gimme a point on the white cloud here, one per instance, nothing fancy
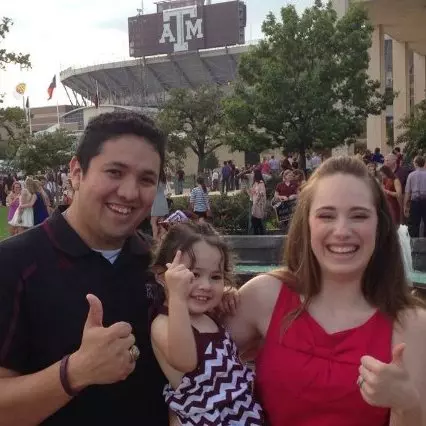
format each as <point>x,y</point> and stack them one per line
<point>63,33</point>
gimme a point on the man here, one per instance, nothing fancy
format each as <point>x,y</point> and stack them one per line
<point>75,294</point>
<point>274,165</point>
<point>415,197</point>
<point>226,175</point>
<point>180,179</point>
<point>401,172</point>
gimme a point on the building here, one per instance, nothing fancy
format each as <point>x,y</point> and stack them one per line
<point>186,44</point>
<point>402,22</point>
<point>44,117</point>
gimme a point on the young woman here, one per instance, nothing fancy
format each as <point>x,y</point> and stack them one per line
<point>258,197</point>
<point>199,200</point>
<point>341,337</point>
<point>393,190</point>
<point>208,384</point>
<point>41,205</point>
<point>23,218</point>
<point>12,202</point>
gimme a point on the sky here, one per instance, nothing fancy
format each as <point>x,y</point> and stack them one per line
<point>75,33</point>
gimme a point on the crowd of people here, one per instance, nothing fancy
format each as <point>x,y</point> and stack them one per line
<point>99,326</point>
<point>32,199</point>
<point>404,185</point>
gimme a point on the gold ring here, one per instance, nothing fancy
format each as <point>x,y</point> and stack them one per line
<point>134,353</point>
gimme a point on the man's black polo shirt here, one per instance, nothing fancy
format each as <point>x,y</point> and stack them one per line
<point>46,274</point>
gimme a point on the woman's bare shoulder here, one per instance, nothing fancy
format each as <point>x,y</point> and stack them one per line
<point>263,289</point>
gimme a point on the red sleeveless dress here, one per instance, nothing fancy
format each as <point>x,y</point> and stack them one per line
<point>307,377</point>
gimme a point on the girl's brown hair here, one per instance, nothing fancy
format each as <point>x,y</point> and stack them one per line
<point>384,283</point>
<point>183,236</point>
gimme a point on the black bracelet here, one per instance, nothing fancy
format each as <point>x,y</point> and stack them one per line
<point>63,375</point>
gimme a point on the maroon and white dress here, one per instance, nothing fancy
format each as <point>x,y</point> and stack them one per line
<point>219,392</point>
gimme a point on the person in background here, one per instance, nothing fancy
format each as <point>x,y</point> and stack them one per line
<point>3,193</point>
<point>286,165</point>
<point>274,165</point>
<point>180,179</point>
<point>342,339</point>
<point>226,175</point>
<point>68,193</point>
<point>316,161</point>
<point>377,157</point>
<point>23,218</point>
<point>12,202</point>
<point>215,180</point>
<point>266,169</point>
<point>393,190</point>
<point>287,189</point>
<point>41,205</point>
<point>372,169</point>
<point>401,172</point>
<point>199,200</point>
<point>258,197</point>
<point>415,197</point>
<point>399,156</point>
<point>299,178</point>
<point>160,209</point>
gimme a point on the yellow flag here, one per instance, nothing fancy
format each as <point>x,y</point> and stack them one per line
<point>20,88</point>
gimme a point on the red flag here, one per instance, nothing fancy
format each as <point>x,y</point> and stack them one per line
<point>51,88</point>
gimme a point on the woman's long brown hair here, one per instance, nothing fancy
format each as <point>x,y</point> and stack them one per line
<point>384,283</point>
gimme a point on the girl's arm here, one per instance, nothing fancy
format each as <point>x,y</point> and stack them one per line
<point>173,334</point>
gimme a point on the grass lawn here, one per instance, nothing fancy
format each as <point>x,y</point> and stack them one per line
<point>3,223</point>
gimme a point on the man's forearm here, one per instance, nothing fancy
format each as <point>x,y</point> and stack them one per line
<point>30,399</point>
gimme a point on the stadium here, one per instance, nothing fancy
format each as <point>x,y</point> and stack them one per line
<point>184,45</point>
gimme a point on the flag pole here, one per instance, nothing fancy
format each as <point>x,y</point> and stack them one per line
<point>29,117</point>
<point>57,112</point>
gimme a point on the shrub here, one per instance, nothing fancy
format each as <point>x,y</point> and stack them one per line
<point>231,213</point>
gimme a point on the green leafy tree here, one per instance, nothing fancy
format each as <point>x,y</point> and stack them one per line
<point>414,131</point>
<point>12,120</point>
<point>12,123</point>
<point>306,83</point>
<point>194,119</point>
<point>43,151</point>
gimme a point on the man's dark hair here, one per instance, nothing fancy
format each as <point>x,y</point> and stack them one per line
<point>419,161</point>
<point>111,125</point>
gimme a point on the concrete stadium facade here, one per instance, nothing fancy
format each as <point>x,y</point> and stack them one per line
<point>404,23</point>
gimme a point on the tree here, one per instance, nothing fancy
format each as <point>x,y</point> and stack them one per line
<point>194,119</point>
<point>43,151</point>
<point>306,83</point>
<point>11,119</point>
<point>12,123</point>
<point>414,135</point>
<point>10,57</point>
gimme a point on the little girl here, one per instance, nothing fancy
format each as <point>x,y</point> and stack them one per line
<point>208,384</point>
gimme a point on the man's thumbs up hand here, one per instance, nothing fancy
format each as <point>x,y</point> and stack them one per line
<point>96,312</point>
<point>104,356</point>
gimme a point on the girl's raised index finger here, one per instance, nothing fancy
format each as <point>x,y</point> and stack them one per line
<point>177,259</point>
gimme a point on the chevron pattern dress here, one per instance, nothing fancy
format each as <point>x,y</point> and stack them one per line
<point>220,391</point>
